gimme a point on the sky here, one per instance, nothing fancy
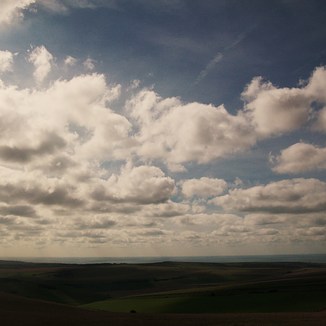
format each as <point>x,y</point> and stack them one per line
<point>162,128</point>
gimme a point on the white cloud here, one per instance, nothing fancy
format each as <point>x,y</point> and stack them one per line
<point>170,209</point>
<point>6,61</point>
<point>317,85</point>
<point>70,61</point>
<point>275,111</point>
<point>142,184</point>
<point>42,60</point>
<point>134,84</point>
<point>54,5</point>
<point>89,64</point>
<point>67,155</point>
<point>286,196</point>
<point>298,158</point>
<point>34,188</point>
<point>76,121</point>
<point>320,124</point>
<point>177,133</point>
<point>203,187</point>
<point>11,10</point>
<point>174,132</point>
<point>256,86</point>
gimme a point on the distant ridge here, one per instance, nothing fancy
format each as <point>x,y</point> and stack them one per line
<point>305,258</point>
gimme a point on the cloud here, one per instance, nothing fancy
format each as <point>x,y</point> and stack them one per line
<point>275,111</point>
<point>42,60</point>
<point>153,128</point>
<point>286,196</point>
<point>94,223</point>
<point>210,66</point>
<point>100,171</point>
<point>265,219</point>
<point>142,185</point>
<point>50,144</point>
<point>60,136</point>
<point>299,158</point>
<point>320,124</point>
<point>167,209</point>
<point>57,6</point>
<point>178,133</point>
<point>18,210</point>
<point>287,220</point>
<point>305,227</point>
<point>317,85</point>
<point>6,61</point>
<point>203,187</point>
<point>64,6</point>
<point>89,64</point>
<point>210,220</point>
<point>75,121</point>
<point>70,61</point>
<point>35,189</point>
<point>11,10</point>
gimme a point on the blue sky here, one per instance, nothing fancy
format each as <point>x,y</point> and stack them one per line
<point>163,128</point>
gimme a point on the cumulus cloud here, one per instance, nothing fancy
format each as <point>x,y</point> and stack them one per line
<point>23,154</point>
<point>299,158</point>
<point>11,10</point>
<point>178,133</point>
<point>103,175</point>
<point>42,60</point>
<point>6,61</point>
<point>203,187</point>
<point>275,111</point>
<point>174,132</point>
<point>285,196</point>
<point>317,85</point>
<point>19,188</point>
<point>142,184</point>
<point>320,124</point>
<point>76,122</point>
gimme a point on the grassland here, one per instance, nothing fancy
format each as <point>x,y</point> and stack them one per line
<point>162,289</point>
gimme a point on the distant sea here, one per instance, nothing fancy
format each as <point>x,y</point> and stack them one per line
<point>306,258</point>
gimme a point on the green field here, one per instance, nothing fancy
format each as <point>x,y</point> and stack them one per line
<point>232,301</point>
<point>172,287</point>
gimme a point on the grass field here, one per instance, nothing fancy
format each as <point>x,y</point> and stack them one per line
<point>172,287</point>
<point>273,302</point>
<point>281,296</point>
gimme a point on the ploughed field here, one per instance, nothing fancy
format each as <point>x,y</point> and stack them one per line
<point>163,293</point>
